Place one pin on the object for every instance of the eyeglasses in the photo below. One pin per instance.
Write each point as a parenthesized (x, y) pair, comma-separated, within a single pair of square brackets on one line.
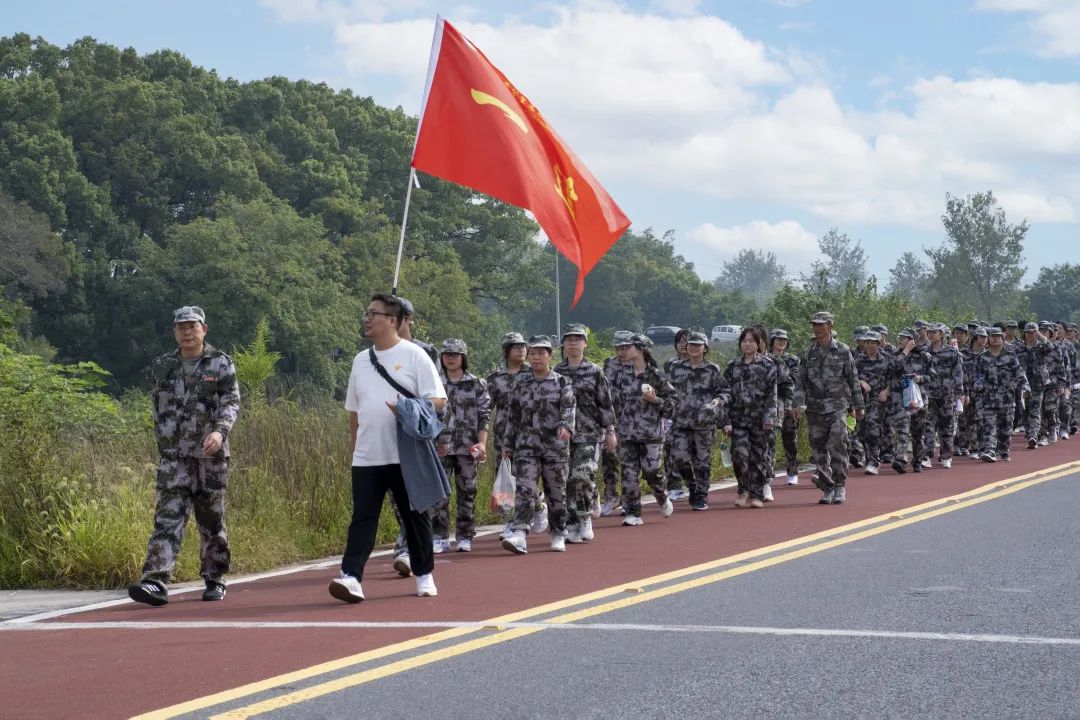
[(369, 314)]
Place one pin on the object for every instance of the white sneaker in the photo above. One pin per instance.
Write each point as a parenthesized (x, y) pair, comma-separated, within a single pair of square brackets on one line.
[(871, 469), (439, 545), (425, 586), (677, 495), (558, 543), (573, 534), (540, 520), (926, 463), (347, 589), (946, 463), (596, 507), (1044, 442), (464, 545), (402, 565), (609, 506), (667, 508), (586, 530), (792, 479), (743, 500), (768, 493), (507, 531), (632, 521), (516, 543)]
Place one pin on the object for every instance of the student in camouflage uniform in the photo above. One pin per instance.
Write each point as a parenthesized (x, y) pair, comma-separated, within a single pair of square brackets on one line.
[(537, 433), (857, 452), (789, 430), (1072, 336), (698, 384), (998, 374), (1057, 367), (915, 364), (462, 445), (645, 397), (830, 386), (1013, 343), (1034, 352), (945, 386), (967, 432), (749, 406), (594, 424), (1068, 352), (677, 490), (887, 441), (875, 375), (610, 460), (195, 399)]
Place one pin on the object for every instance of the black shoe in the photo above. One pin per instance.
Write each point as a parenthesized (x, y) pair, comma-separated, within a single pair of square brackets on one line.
[(916, 467), (149, 593), (899, 466), (886, 458), (1032, 444), (215, 590)]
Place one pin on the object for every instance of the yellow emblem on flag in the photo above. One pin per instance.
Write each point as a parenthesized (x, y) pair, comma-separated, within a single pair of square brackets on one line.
[(565, 189), (482, 98)]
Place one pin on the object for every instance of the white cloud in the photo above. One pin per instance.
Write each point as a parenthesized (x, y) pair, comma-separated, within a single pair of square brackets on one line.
[(1054, 23), (709, 246), (675, 7)]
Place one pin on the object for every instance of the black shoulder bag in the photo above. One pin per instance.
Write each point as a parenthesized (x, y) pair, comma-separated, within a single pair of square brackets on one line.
[(386, 376)]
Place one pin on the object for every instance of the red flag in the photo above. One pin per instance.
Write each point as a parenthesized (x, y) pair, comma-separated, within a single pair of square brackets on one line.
[(478, 130)]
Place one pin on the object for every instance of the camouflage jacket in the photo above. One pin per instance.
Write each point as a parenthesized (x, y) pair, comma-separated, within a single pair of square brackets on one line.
[(997, 377), (612, 367), (1057, 365), (785, 387), (875, 372), (829, 380), (1072, 349), (1036, 360), (499, 386), (538, 408), (969, 357), (595, 408), (918, 362), (695, 387), (640, 421), (947, 380), (794, 371), (468, 408), (750, 395), (185, 413)]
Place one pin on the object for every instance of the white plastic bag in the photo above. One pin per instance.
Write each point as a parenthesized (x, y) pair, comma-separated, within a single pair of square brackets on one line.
[(504, 489), (913, 396)]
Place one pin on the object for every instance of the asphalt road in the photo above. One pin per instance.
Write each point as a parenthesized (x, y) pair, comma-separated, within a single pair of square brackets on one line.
[(987, 596)]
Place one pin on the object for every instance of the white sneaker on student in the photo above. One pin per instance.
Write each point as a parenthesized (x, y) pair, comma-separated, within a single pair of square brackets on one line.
[(540, 520), (425, 586), (516, 543), (558, 543), (792, 479), (507, 531), (871, 469), (464, 545), (632, 521), (609, 506), (666, 508), (586, 530), (946, 463), (573, 534), (347, 589), (767, 494), (402, 565), (439, 545)]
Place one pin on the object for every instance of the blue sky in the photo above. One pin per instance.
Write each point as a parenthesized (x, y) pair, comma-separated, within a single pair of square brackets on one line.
[(748, 123)]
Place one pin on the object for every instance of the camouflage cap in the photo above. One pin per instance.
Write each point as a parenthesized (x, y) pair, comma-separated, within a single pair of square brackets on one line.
[(454, 345), (986, 332), (961, 327), (973, 324), (1011, 324), (1031, 327), (642, 341), (821, 317), (513, 338), (697, 338), (1046, 325), (921, 324), (907, 333), (623, 337), (540, 341), (1072, 326), (574, 329), (872, 336), (859, 331), (406, 307), (879, 328), (937, 327), (780, 333), (189, 313)]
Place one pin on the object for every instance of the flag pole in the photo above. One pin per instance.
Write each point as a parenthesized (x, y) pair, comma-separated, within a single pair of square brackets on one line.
[(404, 221), (558, 320)]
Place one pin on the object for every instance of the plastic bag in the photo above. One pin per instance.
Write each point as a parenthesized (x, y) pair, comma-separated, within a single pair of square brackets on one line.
[(504, 489), (913, 396), (725, 454)]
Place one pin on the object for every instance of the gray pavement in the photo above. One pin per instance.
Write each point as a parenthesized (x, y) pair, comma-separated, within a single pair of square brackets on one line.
[(1007, 567)]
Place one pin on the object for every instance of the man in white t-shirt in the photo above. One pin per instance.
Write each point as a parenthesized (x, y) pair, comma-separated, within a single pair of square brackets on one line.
[(376, 466)]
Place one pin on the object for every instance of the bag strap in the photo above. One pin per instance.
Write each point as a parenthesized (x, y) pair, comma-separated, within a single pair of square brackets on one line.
[(386, 376)]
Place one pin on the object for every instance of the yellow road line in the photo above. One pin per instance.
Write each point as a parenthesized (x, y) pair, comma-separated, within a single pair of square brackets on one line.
[(894, 519)]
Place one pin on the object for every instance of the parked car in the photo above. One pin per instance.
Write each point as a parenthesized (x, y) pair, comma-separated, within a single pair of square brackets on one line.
[(662, 334), (725, 333)]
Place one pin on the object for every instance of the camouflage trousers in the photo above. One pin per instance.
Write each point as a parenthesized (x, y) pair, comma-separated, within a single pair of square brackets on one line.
[(856, 450), (581, 485), (1066, 412), (184, 484), (1050, 406), (940, 426), (872, 428), (1020, 410), (995, 430), (691, 455), (750, 458), (640, 459), (828, 434), (1033, 414), (789, 436), (610, 463), (463, 469), (1075, 402), (529, 471), (674, 478), (968, 436)]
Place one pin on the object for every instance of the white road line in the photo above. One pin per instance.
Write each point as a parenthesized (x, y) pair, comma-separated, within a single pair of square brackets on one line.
[(603, 627)]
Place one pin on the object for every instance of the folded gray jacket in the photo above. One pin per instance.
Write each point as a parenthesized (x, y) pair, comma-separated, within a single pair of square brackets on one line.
[(425, 477)]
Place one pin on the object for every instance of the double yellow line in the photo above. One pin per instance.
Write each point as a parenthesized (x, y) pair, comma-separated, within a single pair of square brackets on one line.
[(625, 594)]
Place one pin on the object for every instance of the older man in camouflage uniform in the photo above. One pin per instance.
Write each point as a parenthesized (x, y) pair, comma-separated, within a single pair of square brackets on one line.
[(195, 402), (945, 386), (998, 375), (830, 387)]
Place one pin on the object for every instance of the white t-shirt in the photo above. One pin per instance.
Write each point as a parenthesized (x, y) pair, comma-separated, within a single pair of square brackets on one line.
[(368, 393)]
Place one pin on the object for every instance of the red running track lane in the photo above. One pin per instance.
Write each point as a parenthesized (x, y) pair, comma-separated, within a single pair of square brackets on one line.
[(122, 672)]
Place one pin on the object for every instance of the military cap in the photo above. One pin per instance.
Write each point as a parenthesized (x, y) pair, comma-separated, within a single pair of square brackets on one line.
[(921, 324), (513, 338), (406, 307), (983, 332), (1046, 325), (697, 338), (642, 341), (859, 332), (189, 313), (879, 328), (964, 328), (1031, 327), (1011, 324), (780, 333), (454, 345), (907, 333), (623, 337), (540, 341), (872, 336), (1072, 326), (821, 317), (574, 329)]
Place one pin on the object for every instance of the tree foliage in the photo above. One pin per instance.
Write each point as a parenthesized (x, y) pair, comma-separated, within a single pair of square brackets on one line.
[(845, 261), (754, 273), (908, 278), (1055, 294)]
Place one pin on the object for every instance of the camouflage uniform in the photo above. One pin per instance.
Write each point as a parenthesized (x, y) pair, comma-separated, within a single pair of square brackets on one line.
[(674, 478), (997, 378), (789, 430), (468, 410), (612, 367), (595, 412), (877, 373), (694, 424), (830, 387), (750, 403), (538, 408), (967, 430), (641, 434), (1068, 351), (186, 409), (1035, 358), (857, 451), (946, 383), (910, 426), (1057, 367)]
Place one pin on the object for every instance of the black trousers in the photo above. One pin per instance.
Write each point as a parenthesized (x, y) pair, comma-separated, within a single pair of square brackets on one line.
[(369, 487)]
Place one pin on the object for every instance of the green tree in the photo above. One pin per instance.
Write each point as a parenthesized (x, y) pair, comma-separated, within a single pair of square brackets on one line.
[(1055, 294), (754, 273), (908, 278), (845, 261), (34, 261)]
